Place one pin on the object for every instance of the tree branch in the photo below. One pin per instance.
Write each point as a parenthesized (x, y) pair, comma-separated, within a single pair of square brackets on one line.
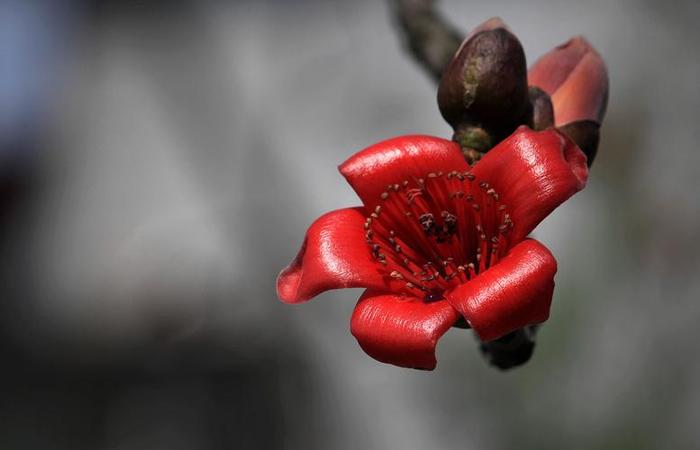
[(427, 36)]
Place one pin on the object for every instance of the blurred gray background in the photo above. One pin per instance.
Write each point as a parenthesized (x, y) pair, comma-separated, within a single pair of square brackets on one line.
[(161, 161)]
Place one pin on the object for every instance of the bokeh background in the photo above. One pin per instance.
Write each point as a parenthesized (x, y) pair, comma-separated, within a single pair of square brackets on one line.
[(160, 162)]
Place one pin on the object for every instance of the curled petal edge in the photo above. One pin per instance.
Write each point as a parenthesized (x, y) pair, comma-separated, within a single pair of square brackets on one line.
[(334, 255), (512, 294), (533, 172), (401, 330)]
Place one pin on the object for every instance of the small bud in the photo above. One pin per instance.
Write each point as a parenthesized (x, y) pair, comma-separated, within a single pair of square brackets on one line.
[(485, 84), (575, 77)]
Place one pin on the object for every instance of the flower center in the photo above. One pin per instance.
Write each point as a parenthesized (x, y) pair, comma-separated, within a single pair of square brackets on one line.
[(436, 232)]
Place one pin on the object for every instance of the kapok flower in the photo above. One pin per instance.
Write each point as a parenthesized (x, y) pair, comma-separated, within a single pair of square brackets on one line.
[(438, 240)]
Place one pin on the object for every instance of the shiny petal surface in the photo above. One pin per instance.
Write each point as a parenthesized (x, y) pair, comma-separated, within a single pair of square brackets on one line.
[(401, 330), (510, 295), (533, 172), (575, 77), (334, 255), (395, 160)]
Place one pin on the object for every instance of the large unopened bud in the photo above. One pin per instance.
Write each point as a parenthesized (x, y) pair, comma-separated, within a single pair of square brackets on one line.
[(484, 89)]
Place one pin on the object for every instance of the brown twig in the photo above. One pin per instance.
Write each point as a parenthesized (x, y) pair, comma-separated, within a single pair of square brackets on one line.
[(428, 37)]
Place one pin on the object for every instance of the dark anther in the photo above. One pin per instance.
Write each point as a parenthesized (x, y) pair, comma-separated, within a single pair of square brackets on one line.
[(450, 222), (427, 221), (448, 228)]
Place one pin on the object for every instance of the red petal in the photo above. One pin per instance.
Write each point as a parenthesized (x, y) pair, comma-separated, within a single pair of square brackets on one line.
[(576, 78), (334, 255), (401, 330), (510, 295), (395, 160), (533, 172)]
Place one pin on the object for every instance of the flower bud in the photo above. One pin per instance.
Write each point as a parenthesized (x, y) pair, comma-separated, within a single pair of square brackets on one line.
[(485, 84), (575, 77)]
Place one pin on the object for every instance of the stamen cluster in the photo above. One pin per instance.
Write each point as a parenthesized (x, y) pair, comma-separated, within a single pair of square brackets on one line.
[(436, 232)]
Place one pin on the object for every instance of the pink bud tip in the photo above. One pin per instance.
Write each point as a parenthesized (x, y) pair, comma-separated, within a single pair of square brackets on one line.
[(575, 77)]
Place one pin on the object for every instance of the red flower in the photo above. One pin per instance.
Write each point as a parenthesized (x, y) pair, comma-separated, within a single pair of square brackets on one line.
[(437, 240)]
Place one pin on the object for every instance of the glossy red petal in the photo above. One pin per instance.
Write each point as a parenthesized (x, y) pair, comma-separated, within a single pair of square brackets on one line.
[(575, 77), (533, 172), (401, 330), (395, 160), (510, 295), (334, 255)]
